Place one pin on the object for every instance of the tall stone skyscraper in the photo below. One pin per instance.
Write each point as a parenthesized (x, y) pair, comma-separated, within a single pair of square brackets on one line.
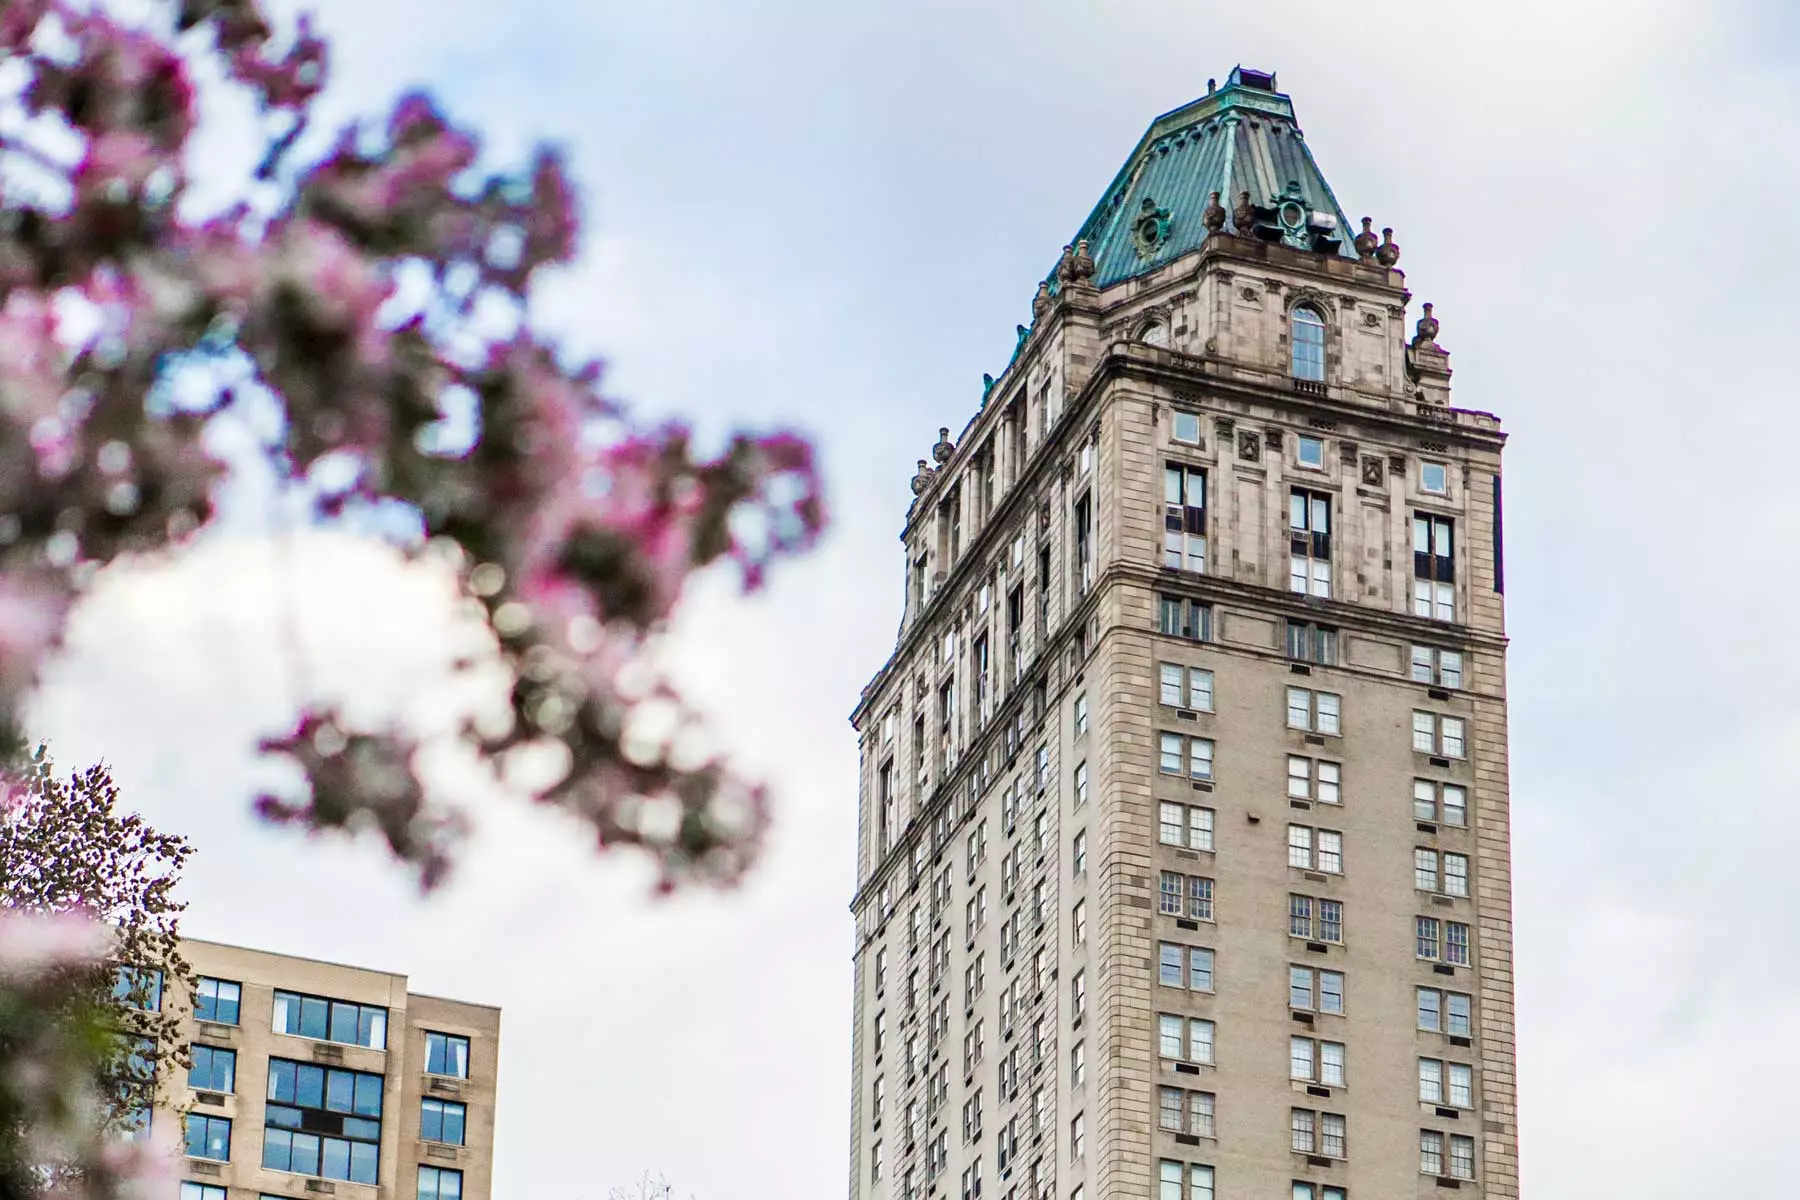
[(1184, 859)]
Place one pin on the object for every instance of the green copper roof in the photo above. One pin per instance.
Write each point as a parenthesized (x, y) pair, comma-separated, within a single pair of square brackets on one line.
[(1240, 138)]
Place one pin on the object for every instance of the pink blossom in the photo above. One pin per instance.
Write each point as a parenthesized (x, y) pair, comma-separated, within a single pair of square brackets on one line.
[(33, 945), (32, 360), (33, 607)]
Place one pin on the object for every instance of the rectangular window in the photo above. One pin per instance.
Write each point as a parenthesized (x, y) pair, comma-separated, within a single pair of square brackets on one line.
[(1445, 802), (1185, 687), (207, 1137), (1081, 714), (204, 1191), (1437, 733), (331, 1020), (1431, 1152), (1314, 712), (1314, 779), (1078, 853), (1309, 530), (1184, 518), (443, 1120), (1187, 427), (1200, 758), (322, 1121), (1434, 570), (1456, 943), (1333, 1128), (216, 1000), (1183, 618), (214, 1069), (1326, 926), (1303, 1125), (1462, 1156), (140, 987), (1311, 643), (1442, 668), (439, 1183), (1081, 784), (1188, 826), (1434, 477), (1184, 1039), (1169, 898), (1169, 753), (447, 1054), (1084, 543), (1200, 898)]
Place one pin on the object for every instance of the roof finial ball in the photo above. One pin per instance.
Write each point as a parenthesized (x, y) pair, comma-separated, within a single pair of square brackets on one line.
[(1388, 253), (1366, 241), (1213, 215), (1427, 332), (945, 447)]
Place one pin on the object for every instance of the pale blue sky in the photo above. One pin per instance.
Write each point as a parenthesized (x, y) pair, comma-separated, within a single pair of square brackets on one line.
[(834, 215)]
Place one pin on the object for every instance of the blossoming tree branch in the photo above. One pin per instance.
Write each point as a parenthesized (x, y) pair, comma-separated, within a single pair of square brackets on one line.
[(377, 292)]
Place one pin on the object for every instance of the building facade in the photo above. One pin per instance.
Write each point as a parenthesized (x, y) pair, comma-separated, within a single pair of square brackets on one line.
[(311, 1078), (1184, 856)]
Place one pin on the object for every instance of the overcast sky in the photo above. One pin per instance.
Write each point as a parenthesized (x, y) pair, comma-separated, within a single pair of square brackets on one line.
[(833, 215)]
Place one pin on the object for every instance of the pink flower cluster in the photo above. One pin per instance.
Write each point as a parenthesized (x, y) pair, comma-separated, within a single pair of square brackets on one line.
[(576, 529)]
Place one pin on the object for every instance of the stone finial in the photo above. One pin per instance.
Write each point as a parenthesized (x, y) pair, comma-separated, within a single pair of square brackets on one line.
[(1063, 263), (945, 447), (921, 479), (1213, 215), (1081, 264), (1426, 334), (1040, 303), (1388, 253), (1366, 241), (1243, 215)]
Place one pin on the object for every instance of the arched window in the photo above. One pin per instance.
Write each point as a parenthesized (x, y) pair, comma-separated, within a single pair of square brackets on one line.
[(1308, 330), (1154, 334)]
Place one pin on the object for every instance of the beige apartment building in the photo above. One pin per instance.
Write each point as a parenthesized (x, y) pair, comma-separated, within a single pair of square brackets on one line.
[(1184, 867), (310, 1078)]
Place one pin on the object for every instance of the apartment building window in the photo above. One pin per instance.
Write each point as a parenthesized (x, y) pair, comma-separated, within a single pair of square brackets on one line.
[(1434, 569), (880, 1033), (1175, 748), (140, 987), (1445, 874), (1318, 1191), (1313, 1060), (971, 1180), (1084, 543), (976, 847), (202, 1191), (1446, 1083), (1462, 1156), (1015, 621), (1189, 826), (440, 1183), (1184, 618), (1187, 427), (1078, 1064), (947, 725), (1309, 543), (216, 1000), (447, 1054), (1184, 1039), (1078, 853), (981, 664), (1314, 712), (1078, 1137), (1313, 990), (1316, 849), (1442, 668), (1434, 477), (1181, 1111), (1078, 995), (322, 1121), (1443, 802), (1314, 779), (1189, 967), (1320, 1133), (1189, 896), (331, 1020), (1442, 941), (975, 912), (973, 1046), (971, 1117), (1081, 714), (1431, 1155), (443, 1120), (1315, 920), (1445, 1012), (1438, 733), (1081, 784), (1078, 924), (1199, 1181), (1184, 518), (1043, 768), (206, 1137), (214, 1069), (1311, 643), (1185, 687), (1308, 346)]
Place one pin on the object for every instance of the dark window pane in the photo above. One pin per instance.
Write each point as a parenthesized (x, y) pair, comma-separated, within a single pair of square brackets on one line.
[(287, 1118)]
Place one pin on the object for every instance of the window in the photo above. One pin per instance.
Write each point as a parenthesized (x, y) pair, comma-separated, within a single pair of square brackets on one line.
[(1462, 1156), (1318, 1133), (1315, 920), (1189, 896), (1078, 853), (1445, 1012), (1434, 477), (140, 987), (1184, 518), (207, 1137), (214, 1069), (1434, 568), (1316, 849), (439, 1183), (1307, 642), (1084, 543), (1434, 666), (1311, 1060), (1445, 802), (1314, 712), (1436, 733), (203, 1191), (331, 1020), (216, 1000), (1314, 779), (1313, 990), (1187, 825), (1318, 1191), (1308, 332), (1451, 1084), (1078, 1064), (1181, 1111), (1078, 995), (322, 1121), (1309, 543), (443, 1120), (1174, 749), (1185, 687), (1184, 1039), (1081, 714), (1445, 874), (1183, 618), (1187, 427), (1199, 1181), (1431, 1152), (1078, 1137), (447, 1054), (1081, 784), (1189, 967), (1446, 941)]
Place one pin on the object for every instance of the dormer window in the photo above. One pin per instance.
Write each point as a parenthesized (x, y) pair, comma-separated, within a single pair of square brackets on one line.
[(1307, 327)]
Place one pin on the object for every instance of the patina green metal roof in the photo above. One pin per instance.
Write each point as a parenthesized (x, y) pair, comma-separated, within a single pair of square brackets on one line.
[(1238, 138)]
